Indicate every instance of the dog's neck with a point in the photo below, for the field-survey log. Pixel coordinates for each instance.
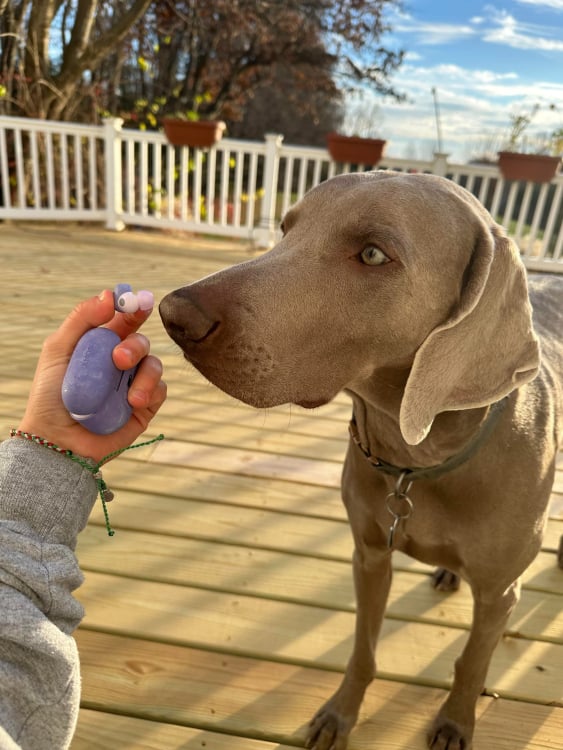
(377, 404)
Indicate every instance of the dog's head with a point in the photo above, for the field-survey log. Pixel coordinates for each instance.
(375, 272)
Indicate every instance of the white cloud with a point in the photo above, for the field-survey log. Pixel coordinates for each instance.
(515, 34)
(500, 27)
(475, 108)
(416, 78)
(475, 105)
(557, 4)
(433, 33)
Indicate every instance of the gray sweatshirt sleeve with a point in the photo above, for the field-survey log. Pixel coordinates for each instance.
(45, 501)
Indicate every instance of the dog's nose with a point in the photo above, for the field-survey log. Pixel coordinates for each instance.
(184, 320)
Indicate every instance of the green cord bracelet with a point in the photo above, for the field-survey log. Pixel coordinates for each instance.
(106, 495)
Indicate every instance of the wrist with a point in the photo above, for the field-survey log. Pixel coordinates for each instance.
(106, 495)
(89, 464)
(44, 491)
(49, 429)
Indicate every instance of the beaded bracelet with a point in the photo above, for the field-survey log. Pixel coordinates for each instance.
(106, 495)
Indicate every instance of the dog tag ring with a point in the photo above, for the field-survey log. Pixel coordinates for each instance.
(399, 505)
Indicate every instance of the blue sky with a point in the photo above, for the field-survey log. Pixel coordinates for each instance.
(486, 60)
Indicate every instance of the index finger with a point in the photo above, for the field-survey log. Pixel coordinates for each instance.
(126, 323)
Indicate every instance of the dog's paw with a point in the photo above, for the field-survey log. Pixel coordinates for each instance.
(444, 580)
(447, 735)
(329, 730)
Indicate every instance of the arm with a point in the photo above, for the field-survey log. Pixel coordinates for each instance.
(45, 501)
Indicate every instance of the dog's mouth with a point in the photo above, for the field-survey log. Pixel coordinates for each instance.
(312, 404)
(249, 378)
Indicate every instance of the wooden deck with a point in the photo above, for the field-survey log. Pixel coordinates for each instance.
(220, 615)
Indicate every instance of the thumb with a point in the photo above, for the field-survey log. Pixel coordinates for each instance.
(88, 314)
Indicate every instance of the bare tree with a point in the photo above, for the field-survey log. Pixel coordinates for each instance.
(70, 59)
(51, 48)
(210, 56)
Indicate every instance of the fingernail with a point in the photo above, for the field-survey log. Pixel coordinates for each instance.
(124, 349)
(138, 395)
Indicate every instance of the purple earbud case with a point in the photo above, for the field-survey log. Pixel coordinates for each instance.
(94, 390)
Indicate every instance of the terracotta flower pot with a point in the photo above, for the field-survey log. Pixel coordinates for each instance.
(355, 150)
(197, 133)
(531, 167)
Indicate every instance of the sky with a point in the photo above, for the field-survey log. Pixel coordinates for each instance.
(485, 61)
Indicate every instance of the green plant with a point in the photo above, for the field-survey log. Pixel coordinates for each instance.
(146, 114)
(192, 115)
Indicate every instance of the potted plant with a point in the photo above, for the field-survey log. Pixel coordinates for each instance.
(534, 160)
(358, 143)
(188, 129)
(355, 149)
(183, 131)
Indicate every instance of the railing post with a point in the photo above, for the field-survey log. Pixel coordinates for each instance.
(440, 165)
(112, 159)
(266, 230)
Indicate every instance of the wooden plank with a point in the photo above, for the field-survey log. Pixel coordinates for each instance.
(299, 579)
(556, 507)
(247, 463)
(553, 534)
(259, 439)
(544, 574)
(237, 524)
(97, 730)
(179, 481)
(137, 483)
(417, 652)
(274, 702)
(261, 528)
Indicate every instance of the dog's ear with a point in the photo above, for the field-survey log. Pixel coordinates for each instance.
(487, 347)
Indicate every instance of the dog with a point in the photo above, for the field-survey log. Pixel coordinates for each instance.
(403, 291)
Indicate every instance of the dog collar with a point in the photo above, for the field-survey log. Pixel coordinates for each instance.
(433, 472)
(398, 503)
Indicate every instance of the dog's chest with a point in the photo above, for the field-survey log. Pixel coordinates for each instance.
(426, 521)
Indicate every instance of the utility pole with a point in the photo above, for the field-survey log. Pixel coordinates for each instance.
(437, 117)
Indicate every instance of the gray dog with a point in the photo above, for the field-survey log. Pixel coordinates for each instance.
(403, 291)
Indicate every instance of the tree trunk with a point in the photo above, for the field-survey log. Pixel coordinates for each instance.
(55, 95)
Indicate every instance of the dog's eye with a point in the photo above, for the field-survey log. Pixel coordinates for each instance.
(372, 255)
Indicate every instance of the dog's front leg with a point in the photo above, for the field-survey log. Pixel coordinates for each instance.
(453, 727)
(332, 724)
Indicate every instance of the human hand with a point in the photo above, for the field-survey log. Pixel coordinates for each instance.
(45, 414)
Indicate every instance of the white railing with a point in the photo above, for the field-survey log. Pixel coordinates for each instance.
(64, 171)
